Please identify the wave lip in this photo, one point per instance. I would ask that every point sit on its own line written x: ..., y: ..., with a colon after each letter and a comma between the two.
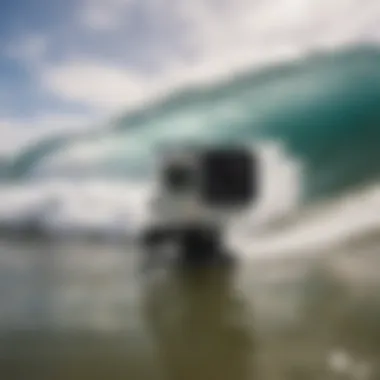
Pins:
x: 316, y: 105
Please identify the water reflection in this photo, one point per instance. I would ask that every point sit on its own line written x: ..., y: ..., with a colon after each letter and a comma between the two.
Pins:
x: 80, y: 312
x: 200, y: 327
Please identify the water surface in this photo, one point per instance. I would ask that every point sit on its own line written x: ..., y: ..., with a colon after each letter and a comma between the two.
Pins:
x: 83, y: 311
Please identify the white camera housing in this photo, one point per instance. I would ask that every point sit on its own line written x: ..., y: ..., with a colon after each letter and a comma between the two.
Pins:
x: 188, y: 204
x: 201, y: 189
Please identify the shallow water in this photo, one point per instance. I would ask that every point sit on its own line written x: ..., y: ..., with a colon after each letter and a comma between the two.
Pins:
x: 84, y: 311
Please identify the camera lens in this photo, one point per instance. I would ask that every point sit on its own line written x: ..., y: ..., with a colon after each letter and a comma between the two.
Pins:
x: 178, y: 177
x: 228, y: 177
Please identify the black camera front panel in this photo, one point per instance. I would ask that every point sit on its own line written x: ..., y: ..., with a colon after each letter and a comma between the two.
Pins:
x: 228, y: 177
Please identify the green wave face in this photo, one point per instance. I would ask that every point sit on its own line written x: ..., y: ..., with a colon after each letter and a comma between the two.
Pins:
x: 325, y: 109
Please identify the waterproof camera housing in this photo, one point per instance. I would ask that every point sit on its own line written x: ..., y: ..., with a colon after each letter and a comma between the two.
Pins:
x: 198, y: 191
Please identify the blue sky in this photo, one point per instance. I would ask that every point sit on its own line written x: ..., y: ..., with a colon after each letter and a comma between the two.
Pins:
x: 37, y: 35
x: 65, y: 64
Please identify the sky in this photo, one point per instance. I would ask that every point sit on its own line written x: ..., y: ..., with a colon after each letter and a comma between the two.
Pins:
x: 66, y: 65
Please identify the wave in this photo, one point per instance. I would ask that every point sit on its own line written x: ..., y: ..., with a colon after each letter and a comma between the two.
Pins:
x: 344, y: 223
x: 324, y: 108
x: 316, y: 125
x: 117, y: 209
x: 278, y: 225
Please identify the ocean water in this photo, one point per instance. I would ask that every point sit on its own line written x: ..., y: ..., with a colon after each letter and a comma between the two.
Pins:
x: 302, y: 303
x: 80, y: 310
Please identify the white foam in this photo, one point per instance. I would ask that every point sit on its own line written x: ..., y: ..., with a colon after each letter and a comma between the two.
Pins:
x: 322, y: 228
x: 281, y: 184
x: 61, y: 207
x: 112, y: 208
x: 119, y: 207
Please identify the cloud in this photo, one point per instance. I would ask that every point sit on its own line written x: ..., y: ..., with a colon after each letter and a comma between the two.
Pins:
x: 103, y: 15
x: 115, y: 54
x: 255, y: 29
x: 220, y: 38
x: 100, y: 86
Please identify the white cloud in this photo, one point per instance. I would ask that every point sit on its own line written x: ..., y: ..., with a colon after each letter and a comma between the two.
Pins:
x: 250, y: 29
x: 103, y: 14
x: 224, y: 37
x: 100, y: 86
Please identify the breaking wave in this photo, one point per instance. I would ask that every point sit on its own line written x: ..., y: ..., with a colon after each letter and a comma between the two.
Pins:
x: 314, y: 121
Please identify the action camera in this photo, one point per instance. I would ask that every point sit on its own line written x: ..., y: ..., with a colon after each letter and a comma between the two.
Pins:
x: 198, y: 192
